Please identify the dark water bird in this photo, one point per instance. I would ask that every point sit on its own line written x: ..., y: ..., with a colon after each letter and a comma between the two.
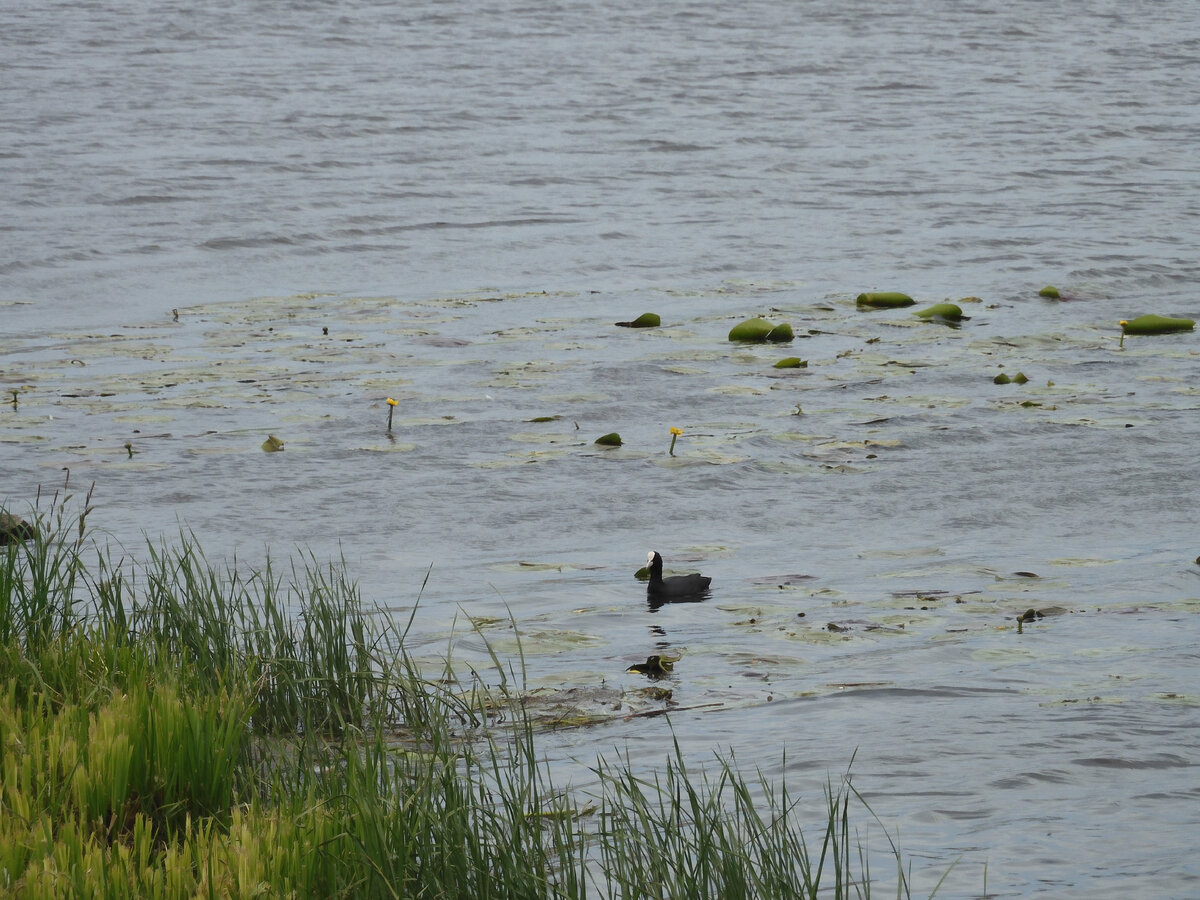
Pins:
x: 661, y: 590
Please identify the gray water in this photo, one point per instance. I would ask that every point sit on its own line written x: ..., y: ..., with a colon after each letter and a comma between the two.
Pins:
x: 451, y: 204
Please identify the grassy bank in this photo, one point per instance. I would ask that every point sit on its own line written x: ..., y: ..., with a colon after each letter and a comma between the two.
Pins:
x: 175, y: 728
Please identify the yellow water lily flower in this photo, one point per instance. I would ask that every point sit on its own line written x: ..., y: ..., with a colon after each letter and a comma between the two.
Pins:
x: 675, y: 432
x: 391, y: 406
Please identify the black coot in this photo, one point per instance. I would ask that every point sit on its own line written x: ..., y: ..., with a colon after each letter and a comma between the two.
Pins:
x: 676, y: 587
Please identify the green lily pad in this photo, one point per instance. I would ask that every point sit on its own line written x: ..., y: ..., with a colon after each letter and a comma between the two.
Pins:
x: 645, y: 320
x: 612, y: 439
x: 1004, y: 378
x: 885, y: 299
x: 272, y: 444
x: 1050, y: 291
x: 1152, y: 324
x: 751, y: 330
x: 951, y: 312
x: 792, y: 362
x: 781, y: 334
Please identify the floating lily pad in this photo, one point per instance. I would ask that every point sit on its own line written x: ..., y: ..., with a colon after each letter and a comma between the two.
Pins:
x: 792, y: 362
x: 1152, y: 324
x: 737, y: 390
x: 885, y: 299
x: 781, y: 334
x: 1005, y: 378
x: 951, y: 312
x: 1050, y: 291
x: 528, y: 566
x: 645, y: 320
x: 612, y: 439
x: 272, y: 444
x: 782, y: 580
x: 554, y: 437
x: 390, y: 447
x: 751, y: 330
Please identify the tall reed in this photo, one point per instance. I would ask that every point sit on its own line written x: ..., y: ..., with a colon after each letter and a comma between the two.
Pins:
x: 38, y: 577
x: 178, y: 729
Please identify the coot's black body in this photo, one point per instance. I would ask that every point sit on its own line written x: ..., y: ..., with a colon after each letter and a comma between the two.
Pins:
x: 661, y: 590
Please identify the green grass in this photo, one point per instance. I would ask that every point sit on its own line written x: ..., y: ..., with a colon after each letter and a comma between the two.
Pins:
x: 176, y: 728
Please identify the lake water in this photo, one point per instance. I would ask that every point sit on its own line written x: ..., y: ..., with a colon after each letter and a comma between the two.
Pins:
x: 452, y: 203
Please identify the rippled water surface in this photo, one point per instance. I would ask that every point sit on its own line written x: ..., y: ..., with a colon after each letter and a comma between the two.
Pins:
x: 451, y: 204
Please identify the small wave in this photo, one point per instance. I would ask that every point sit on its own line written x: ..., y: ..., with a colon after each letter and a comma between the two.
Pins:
x: 672, y: 146
x: 146, y: 199
x: 1158, y: 761
x: 261, y: 240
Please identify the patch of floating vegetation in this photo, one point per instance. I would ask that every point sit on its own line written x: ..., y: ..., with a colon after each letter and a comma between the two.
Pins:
x: 527, y: 566
x: 1080, y: 561
x: 737, y: 390
x: 513, y: 459
x: 385, y: 447
x: 542, y: 642
x: 575, y: 398
x: 531, y: 437
x: 698, y: 457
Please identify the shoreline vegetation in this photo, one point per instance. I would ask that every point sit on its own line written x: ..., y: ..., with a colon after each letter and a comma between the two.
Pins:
x: 177, y: 729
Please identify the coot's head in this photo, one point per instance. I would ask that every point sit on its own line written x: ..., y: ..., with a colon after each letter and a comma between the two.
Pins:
x: 654, y: 563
